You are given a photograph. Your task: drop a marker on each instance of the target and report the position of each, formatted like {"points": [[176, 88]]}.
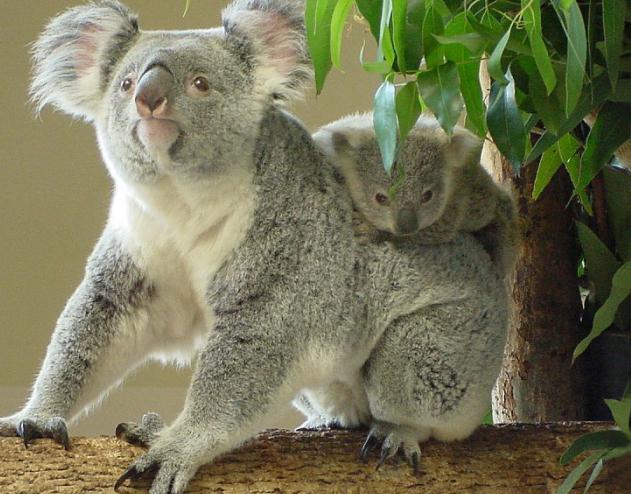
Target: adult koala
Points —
{"points": [[230, 234]]}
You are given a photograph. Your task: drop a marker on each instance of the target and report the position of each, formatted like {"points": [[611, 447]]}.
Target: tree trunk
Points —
{"points": [[537, 382], [516, 459]]}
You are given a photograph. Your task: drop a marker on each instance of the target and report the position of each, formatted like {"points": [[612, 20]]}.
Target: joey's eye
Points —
{"points": [[201, 84], [126, 84], [381, 199], [427, 196]]}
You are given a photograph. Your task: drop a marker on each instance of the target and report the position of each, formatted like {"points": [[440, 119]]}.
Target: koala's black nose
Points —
{"points": [[407, 221], [152, 90]]}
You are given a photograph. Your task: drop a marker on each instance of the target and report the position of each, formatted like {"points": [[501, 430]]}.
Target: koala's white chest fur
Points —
{"points": [[180, 231]]}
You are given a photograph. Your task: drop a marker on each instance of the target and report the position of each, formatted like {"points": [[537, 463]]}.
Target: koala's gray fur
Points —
{"points": [[229, 235], [462, 195]]}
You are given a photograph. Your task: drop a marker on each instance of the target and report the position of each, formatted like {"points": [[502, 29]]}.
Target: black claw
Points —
{"points": [[61, 436], [369, 445], [385, 454], [131, 473], [416, 462], [120, 430], [28, 430]]}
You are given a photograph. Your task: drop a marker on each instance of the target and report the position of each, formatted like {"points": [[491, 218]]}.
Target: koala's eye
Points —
{"points": [[127, 84], [201, 84], [427, 196], [381, 199]]}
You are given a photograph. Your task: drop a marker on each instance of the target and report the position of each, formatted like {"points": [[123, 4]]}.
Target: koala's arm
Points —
{"points": [[248, 369], [97, 339], [501, 236]]}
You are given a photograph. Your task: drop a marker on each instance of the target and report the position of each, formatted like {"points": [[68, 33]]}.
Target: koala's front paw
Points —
{"points": [[394, 438], [30, 428], [172, 461], [143, 434]]}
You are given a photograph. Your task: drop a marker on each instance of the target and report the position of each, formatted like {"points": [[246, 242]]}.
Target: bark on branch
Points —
{"points": [[519, 459]]}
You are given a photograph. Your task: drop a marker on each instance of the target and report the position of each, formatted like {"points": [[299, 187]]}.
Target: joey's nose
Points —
{"points": [[407, 221], [152, 92]]}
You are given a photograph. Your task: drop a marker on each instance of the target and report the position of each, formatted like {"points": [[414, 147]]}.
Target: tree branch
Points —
{"points": [[519, 459]]}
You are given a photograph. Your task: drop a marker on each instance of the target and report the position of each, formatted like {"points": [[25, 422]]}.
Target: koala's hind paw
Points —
{"points": [[393, 438], [53, 428], [172, 461], [170, 476], [142, 434]]}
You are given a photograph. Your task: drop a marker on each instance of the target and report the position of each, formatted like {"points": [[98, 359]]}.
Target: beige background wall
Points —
{"points": [[54, 196]]}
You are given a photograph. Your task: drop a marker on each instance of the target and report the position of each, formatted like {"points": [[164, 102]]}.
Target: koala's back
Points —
{"points": [[302, 248]]}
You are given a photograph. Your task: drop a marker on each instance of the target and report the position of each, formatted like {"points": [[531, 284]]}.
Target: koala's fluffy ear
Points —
{"points": [[463, 148], [275, 35], [74, 57]]}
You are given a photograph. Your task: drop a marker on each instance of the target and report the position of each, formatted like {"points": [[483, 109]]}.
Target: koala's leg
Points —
{"points": [[98, 338], [339, 404], [431, 374], [249, 368]]}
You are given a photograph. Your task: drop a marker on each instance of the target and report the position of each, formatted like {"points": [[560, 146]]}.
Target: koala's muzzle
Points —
{"points": [[152, 92], [156, 130], [407, 221]]}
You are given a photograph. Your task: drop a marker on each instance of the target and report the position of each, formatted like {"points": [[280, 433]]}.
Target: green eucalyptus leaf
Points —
{"points": [[549, 164], [440, 90], [432, 49], [473, 42], [468, 72], [378, 67], [408, 109], [622, 91], [318, 15], [504, 121], [399, 29], [574, 27], [613, 31], [385, 49], [594, 440], [495, 60], [532, 20], [568, 147], [593, 96], [371, 11], [338, 22], [413, 34], [611, 129], [472, 96], [546, 106], [594, 475], [385, 122], [605, 315], [575, 475], [621, 412], [618, 192], [601, 264], [617, 453]]}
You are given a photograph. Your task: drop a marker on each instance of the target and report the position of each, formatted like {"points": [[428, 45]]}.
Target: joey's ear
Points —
{"points": [[463, 148], [274, 35], [74, 56]]}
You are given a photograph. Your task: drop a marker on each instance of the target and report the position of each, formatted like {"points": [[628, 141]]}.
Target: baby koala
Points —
{"points": [[436, 189]]}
